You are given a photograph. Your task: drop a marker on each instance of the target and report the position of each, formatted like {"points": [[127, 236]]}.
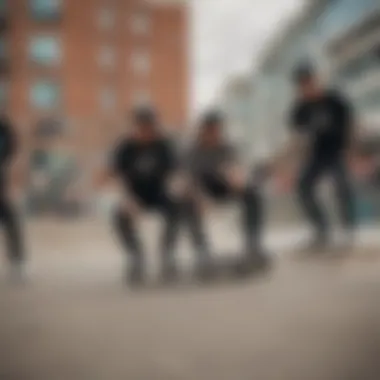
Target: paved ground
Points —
{"points": [[315, 319]]}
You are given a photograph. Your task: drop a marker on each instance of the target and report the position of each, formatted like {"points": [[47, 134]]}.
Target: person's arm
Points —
{"points": [[348, 116], [8, 142], [296, 142], [234, 171], [173, 170], [115, 172], [293, 147]]}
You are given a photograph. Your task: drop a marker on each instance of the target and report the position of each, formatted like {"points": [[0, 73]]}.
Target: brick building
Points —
{"points": [[86, 62]]}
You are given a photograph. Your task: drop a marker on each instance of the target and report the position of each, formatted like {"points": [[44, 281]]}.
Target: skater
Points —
{"points": [[144, 164], [217, 175], [323, 123], [8, 215], [53, 173]]}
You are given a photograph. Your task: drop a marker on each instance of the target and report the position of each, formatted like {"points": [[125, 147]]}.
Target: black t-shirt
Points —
{"points": [[327, 121], [7, 142], [144, 168]]}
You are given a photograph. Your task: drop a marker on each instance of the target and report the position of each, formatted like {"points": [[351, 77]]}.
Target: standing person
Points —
{"points": [[323, 121], [144, 164], [53, 173], [8, 217], [39, 175], [216, 174]]}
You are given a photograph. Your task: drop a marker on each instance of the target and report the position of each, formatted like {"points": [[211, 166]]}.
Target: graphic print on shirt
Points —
{"points": [[320, 120], [145, 164]]}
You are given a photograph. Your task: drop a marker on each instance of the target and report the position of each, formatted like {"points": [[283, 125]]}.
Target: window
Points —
{"points": [[45, 94], [141, 98], [45, 9], [106, 18], [140, 62], [107, 99], [140, 23], [106, 57], [371, 100], [3, 7], [3, 48], [45, 50], [339, 15], [360, 65], [3, 91]]}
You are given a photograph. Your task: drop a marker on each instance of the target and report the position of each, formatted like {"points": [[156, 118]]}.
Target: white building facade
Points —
{"points": [[309, 37]]}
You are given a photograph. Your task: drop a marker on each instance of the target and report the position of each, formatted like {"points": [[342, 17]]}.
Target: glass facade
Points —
{"points": [[45, 50], [370, 101], [45, 95], [361, 64], [339, 15], [45, 9]]}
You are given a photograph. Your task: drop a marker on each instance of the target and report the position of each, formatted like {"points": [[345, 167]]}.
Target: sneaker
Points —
{"points": [[205, 270], [135, 274], [253, 262], [169, 273], [17, 273], [316, 246], [346, 242]]}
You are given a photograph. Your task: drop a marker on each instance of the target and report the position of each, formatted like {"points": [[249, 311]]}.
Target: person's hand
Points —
{"points": [[177, 186], [263, 171], [237, 177], [130, 206], [16, 195], [40, 180]]}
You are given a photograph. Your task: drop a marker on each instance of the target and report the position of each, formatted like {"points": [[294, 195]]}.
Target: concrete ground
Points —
{"points": [[308, 319]]}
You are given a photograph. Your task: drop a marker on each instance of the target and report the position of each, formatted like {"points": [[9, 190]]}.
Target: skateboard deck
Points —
{"points": [[221, 270]]}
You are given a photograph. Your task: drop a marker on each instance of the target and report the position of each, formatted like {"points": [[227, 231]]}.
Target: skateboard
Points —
{"points": [[220, 270]]}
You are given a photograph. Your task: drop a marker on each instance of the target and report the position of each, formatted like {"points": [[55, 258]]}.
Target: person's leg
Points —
{"points": [[170, 210], [344, 194], [307, 187], [126, 231], [194, 218], [13, 234], [252, 221]]}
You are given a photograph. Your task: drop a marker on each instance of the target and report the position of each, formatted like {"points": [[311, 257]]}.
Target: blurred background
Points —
{"points": [[71, 71]]}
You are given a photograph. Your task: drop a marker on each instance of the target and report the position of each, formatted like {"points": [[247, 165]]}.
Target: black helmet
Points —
{"points": [[144, 115], [303, 72], [212, 119]]}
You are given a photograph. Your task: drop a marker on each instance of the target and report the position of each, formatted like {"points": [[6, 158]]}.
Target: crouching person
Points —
{"points": [[143, 164], [217, 175]]}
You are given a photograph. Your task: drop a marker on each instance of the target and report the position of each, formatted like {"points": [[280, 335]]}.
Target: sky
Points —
{"points": [[228, 37]]}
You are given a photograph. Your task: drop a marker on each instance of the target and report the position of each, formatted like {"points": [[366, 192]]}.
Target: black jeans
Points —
{"points": [[125, 228], [313, 171], [252, 211], [13, 236]]}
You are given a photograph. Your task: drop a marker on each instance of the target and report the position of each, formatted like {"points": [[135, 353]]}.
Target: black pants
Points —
{"points": [[125, 227], [314, 170], [12, 228], [250, 203]]}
